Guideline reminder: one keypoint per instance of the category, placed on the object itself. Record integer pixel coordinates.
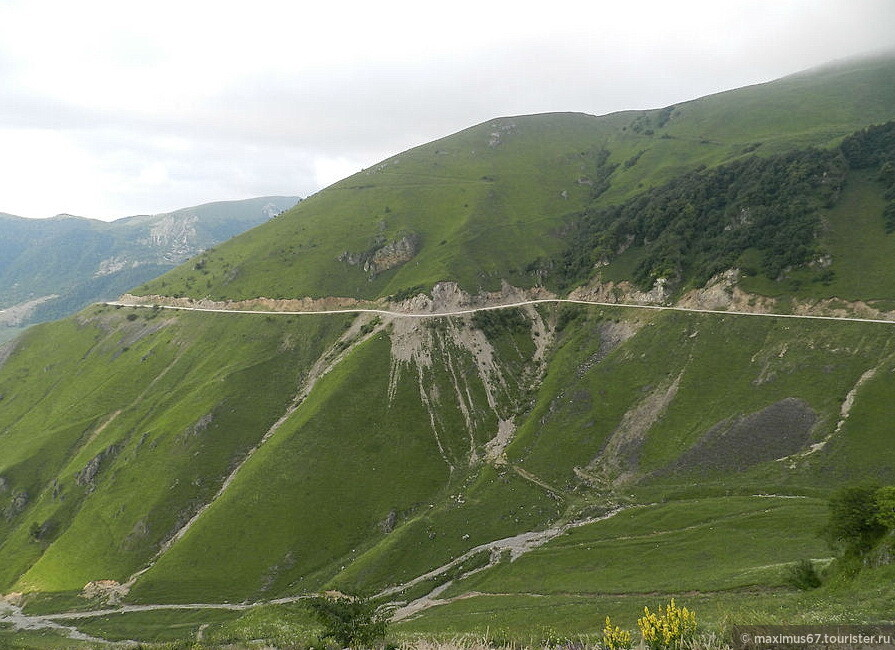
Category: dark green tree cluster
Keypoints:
(874, 148)
(700, 223)
(860, 527)
(350, 621)
(860, 519)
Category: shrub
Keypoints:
(350, 621)
(803, 575)
(853, 523)
(668, 627)
(885, 507)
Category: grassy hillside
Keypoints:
(484, 205)
(387, 469)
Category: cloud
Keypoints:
(106, 112)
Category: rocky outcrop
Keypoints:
(109, 592)
(87, 476)
(383, 256)
(623, 293)
(17, 504)
(723, 293)
(176, 235)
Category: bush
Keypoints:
(350, 621)
(803, 575)
(853, 525)
(885, 507)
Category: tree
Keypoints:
(885, 507)
(350, 621)
(853, 524)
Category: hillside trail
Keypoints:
(11, 615)
(516, 546)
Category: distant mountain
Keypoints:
(53, 267)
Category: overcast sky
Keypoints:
(111, 108)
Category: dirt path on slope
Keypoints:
(517, 545)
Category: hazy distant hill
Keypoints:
(208, 457)
(52, 267)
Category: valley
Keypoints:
(546, 370)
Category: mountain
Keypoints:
(489, 203)
(54, 267)
(530, 468)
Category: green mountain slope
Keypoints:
(50, 268)
(526, 466)
(486, 204)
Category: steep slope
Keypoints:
(53, 267)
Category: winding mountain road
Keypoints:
(510, 305)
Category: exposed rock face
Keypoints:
(623, 292)
(177, 234)
(387, 525)
(114, 265)
(87, 476)
(722, 292)
(394, 254)
(384, 256)
(18, 503)
(108, 591)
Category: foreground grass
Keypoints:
(498, 620)
(866, 599)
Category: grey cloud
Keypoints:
(264, 132)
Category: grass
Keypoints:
(701, 545)
(108, 403)
(38, 640)
(156, 626)
(524, 617)
(328, 467)
(311, 502)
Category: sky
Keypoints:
(110, 109)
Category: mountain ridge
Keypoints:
(55, 266)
